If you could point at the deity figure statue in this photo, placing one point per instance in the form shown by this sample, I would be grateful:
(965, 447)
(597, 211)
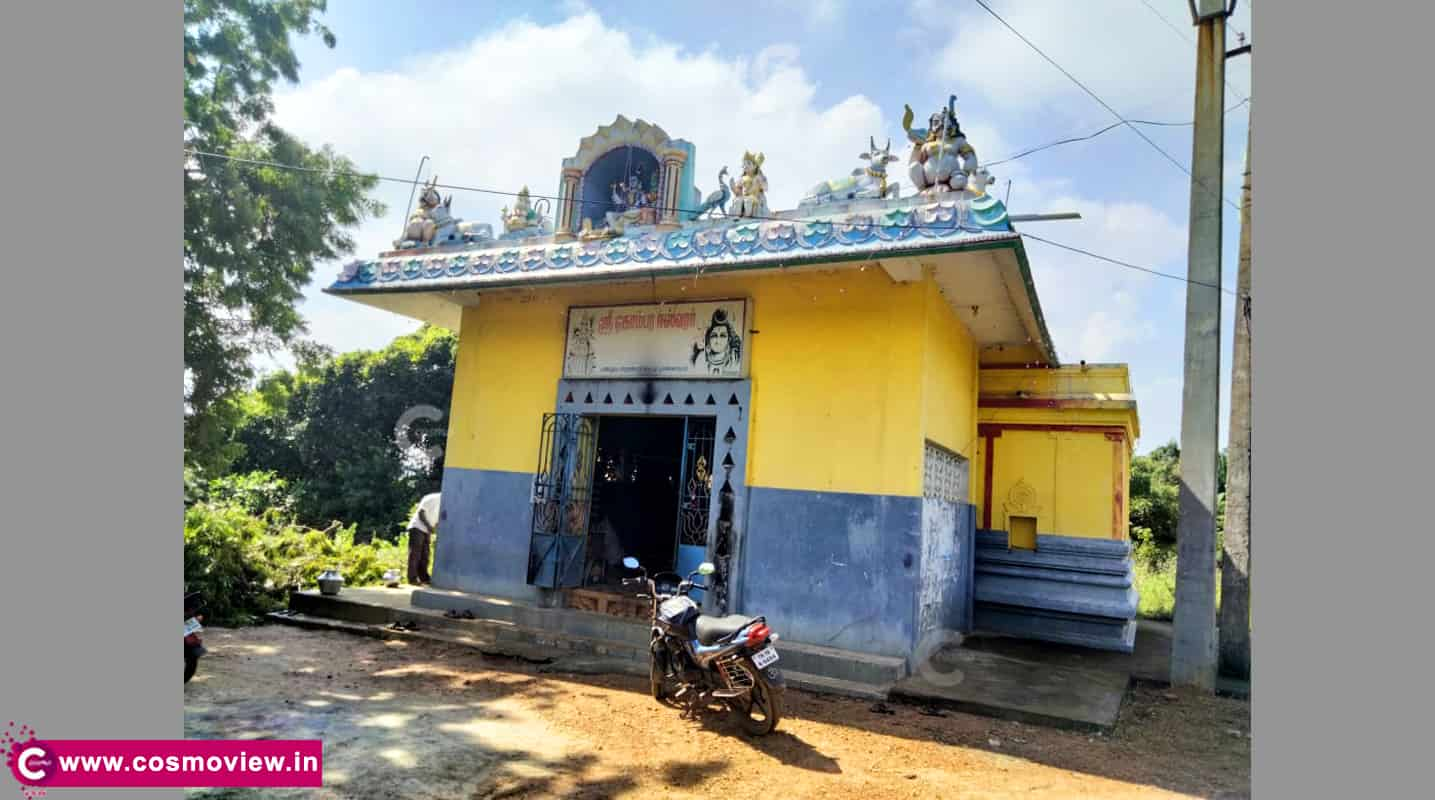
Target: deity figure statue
(628, 201)
(750, 191)
(649, 215)
(432, 222)
(524, 216)
(941, 160)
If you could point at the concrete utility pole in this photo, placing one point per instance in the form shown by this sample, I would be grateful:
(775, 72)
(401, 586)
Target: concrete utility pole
(1193, 646)
(1236, 558)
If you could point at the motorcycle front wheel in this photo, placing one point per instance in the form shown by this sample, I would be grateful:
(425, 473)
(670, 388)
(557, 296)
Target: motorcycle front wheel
(658, 682)
(655, 678)
(760, 711)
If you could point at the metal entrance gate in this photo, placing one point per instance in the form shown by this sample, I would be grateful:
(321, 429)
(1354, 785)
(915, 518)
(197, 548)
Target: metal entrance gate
(695, 488)
(562, 499)
(722, 405)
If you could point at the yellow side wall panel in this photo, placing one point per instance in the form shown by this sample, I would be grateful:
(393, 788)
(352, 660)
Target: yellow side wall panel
(1083, 499)
(950, 389)
(1026, 459)
(1067, 480)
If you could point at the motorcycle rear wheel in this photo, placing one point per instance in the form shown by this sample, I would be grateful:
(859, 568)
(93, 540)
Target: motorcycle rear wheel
(191, 663)
(760, 711)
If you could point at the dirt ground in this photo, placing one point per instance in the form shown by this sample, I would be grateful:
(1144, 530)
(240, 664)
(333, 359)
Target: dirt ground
(417, 719)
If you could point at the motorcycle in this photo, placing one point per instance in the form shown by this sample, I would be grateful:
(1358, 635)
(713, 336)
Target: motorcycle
(193, 647)
(696, 659)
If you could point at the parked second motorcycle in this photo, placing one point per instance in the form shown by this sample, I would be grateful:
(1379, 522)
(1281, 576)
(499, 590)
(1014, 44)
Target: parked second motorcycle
(695, 659)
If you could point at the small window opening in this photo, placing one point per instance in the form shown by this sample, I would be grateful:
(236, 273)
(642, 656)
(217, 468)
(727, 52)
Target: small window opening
(1022, 533)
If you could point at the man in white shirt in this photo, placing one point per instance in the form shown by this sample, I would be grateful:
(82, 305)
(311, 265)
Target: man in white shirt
(421, 530)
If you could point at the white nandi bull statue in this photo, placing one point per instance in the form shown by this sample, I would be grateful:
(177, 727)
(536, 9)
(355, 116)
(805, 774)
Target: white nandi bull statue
(869, 182)
(432, 223)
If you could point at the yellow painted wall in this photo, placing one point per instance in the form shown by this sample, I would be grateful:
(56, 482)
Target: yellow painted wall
(1094, 379)
(1075, 477)
(836, 366)
(949, 413)
(1080, 477)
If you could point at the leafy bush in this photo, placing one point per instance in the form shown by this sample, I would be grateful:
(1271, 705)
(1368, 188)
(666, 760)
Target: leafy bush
(255, 492)
(194, 486)
(223, 563)
(1156, 582)
(1155, 566)
(244, 564)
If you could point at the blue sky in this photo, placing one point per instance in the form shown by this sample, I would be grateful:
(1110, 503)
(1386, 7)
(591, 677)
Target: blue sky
(497, 94)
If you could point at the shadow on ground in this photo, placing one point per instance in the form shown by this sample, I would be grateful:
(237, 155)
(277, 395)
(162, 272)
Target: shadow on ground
(424, 720)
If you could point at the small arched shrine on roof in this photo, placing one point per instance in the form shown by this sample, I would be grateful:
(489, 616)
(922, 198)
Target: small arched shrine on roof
(628, 167)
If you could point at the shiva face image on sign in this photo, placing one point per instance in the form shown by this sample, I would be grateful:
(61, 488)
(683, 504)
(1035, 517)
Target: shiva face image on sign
(721, 348)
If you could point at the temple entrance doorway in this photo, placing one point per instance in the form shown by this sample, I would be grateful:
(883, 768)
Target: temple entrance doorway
(652, 483)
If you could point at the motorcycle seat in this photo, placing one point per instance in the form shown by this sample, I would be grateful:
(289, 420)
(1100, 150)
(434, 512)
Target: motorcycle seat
(711, 630)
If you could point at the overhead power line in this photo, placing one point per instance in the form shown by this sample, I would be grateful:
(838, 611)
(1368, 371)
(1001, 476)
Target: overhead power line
(1103, 103)
(1127, 264)
(1110, 127)
(1185, 36)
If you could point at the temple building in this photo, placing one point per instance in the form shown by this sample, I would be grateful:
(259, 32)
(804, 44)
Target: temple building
(852, 408)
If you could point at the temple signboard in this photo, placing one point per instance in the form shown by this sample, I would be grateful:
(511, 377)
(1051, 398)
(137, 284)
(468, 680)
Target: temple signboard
(659, 340)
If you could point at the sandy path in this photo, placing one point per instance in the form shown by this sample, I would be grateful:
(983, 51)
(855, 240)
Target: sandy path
(425, 720)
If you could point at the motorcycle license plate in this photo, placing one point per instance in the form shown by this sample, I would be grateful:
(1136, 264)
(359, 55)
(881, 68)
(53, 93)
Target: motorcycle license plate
(192, 625)
(762, 658)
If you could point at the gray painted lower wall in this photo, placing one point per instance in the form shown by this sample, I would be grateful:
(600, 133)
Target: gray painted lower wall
(948, 563)
(1070, 589)
(835, 569)
(870, 573)
(826, 568)
(484, 533)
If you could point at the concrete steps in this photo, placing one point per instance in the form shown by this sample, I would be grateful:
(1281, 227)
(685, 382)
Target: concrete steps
(1037, 688)
(985, 683)
(817, 660)
(513, 629)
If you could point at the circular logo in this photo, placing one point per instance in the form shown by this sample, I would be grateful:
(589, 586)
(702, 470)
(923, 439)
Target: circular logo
(34, 763)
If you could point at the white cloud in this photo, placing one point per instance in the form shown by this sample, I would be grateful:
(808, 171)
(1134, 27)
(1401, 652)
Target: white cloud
(1096, 311)
(1122, 52)
(490, 117)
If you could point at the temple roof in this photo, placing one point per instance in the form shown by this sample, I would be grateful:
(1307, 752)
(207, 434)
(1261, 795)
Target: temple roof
(717, 245)
(902, 235)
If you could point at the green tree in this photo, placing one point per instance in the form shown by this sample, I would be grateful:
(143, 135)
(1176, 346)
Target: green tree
(251, 232)
(1155, 494)
(329, 429)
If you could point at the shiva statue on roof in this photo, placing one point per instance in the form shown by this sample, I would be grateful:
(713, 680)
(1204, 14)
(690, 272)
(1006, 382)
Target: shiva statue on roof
(941, 160)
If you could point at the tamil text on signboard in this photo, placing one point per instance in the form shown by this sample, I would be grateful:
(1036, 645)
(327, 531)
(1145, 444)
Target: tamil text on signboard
(668, 340)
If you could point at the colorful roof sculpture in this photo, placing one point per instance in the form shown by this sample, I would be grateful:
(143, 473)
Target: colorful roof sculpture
(734, 243)
(627, 209)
